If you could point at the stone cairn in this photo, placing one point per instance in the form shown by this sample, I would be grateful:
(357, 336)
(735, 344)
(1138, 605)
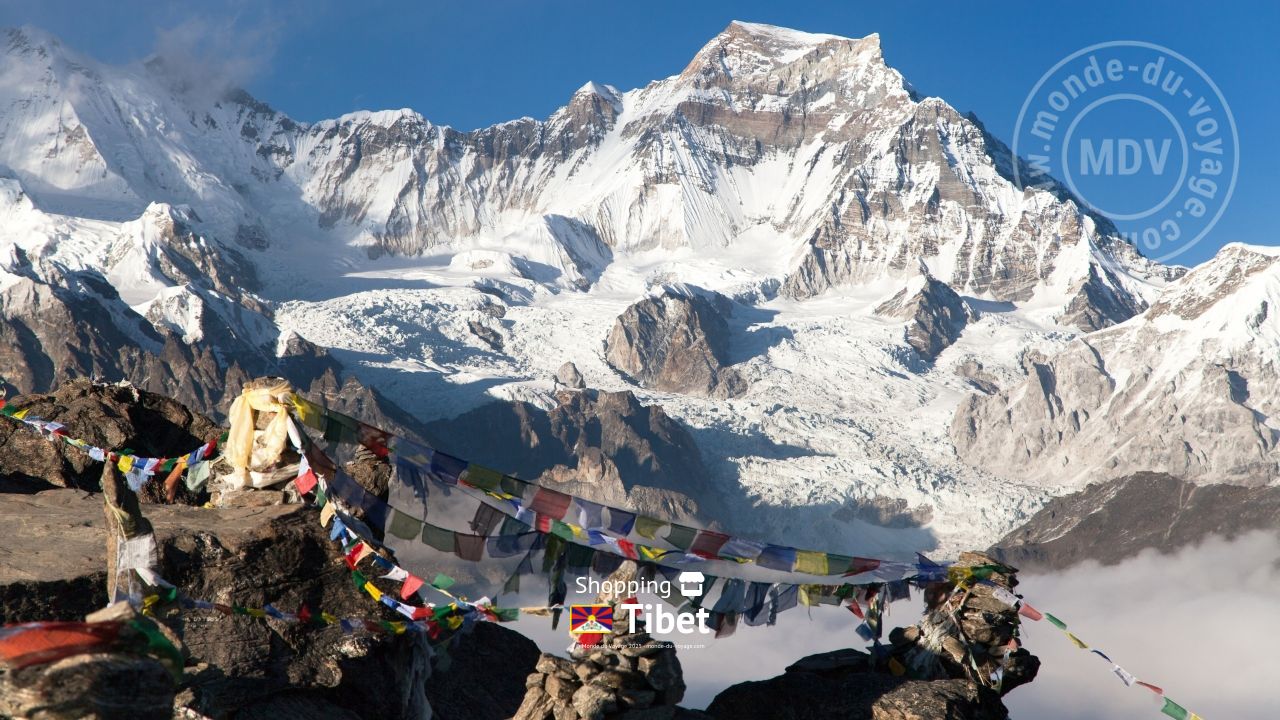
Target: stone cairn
(629, 676)
(968, 631)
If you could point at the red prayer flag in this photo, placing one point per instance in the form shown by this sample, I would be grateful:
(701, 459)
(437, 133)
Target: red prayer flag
(1151, 687)
(306, 482)
(410, 586)
(628, 548)
(551, 503)
(354, 555)
(304, 613)
(1029, 612)
(856, 609)
(707, 544)
(861, 565)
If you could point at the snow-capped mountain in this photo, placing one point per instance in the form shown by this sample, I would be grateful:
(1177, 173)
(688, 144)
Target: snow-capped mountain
(871, 262)
(1189, 388)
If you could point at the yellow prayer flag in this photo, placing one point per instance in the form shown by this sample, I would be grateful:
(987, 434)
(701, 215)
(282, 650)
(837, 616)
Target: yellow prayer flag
(1079, 643)
(648, 552)
(374, 592)
(308, 412)
(256, 612)
(328, 619)
(453, 621)
(810, 562)
(326, 514)
(21, 413)
(398, 626)
(126, 463)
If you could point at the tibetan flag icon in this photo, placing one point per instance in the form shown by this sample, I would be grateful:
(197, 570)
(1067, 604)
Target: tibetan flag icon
(590, 619)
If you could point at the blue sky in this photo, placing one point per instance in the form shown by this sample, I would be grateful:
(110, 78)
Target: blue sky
(470, 64)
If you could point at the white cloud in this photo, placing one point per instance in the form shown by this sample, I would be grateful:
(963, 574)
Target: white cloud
(205, 56)
(1200, 623)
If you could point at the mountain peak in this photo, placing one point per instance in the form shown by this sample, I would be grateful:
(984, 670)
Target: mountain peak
(780, 35)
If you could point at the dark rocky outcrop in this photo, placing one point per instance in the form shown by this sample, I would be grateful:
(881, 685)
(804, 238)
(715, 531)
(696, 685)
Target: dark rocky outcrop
(247, 556)
(1114, 520)
(115, 417)
(605, 446)
(676, 341)
(935, 314)
(851, 692)
(927, 673)
(502, 657)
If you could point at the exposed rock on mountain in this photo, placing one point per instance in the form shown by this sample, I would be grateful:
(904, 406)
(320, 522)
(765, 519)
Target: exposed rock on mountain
(810, 137)
(115, 417)
(935, 314)
(176, 238)
(1114, 520)
(1187, 389)
(604, 446)
(676, 341)
(569, 376)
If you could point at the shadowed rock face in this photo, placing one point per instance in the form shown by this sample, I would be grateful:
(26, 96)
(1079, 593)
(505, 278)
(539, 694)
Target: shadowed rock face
(935, 315)
(1111, 521)
(604, 446)
(676, 342)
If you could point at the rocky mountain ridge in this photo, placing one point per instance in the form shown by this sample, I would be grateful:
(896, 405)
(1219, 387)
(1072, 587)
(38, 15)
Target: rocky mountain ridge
(1187, 388)
(879, 262)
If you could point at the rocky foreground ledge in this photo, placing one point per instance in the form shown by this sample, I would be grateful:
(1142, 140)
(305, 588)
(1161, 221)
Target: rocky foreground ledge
(266, 550)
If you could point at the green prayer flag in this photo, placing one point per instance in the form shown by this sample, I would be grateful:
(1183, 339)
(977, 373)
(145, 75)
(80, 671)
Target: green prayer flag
(442, 582)
(648, 527)
(438, 538)
(359, 579)
(511, 526)
(404, 526)
(681, 536)
(1174, 710)
(441, 611)
(1056, 622)
(507, 614)
(555, 548)
(482, 477)
(561, 530)
(167, 465)
(512, 486)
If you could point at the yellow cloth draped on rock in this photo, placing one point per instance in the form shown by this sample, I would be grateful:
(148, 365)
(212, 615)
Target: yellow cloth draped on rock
(247, 449)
